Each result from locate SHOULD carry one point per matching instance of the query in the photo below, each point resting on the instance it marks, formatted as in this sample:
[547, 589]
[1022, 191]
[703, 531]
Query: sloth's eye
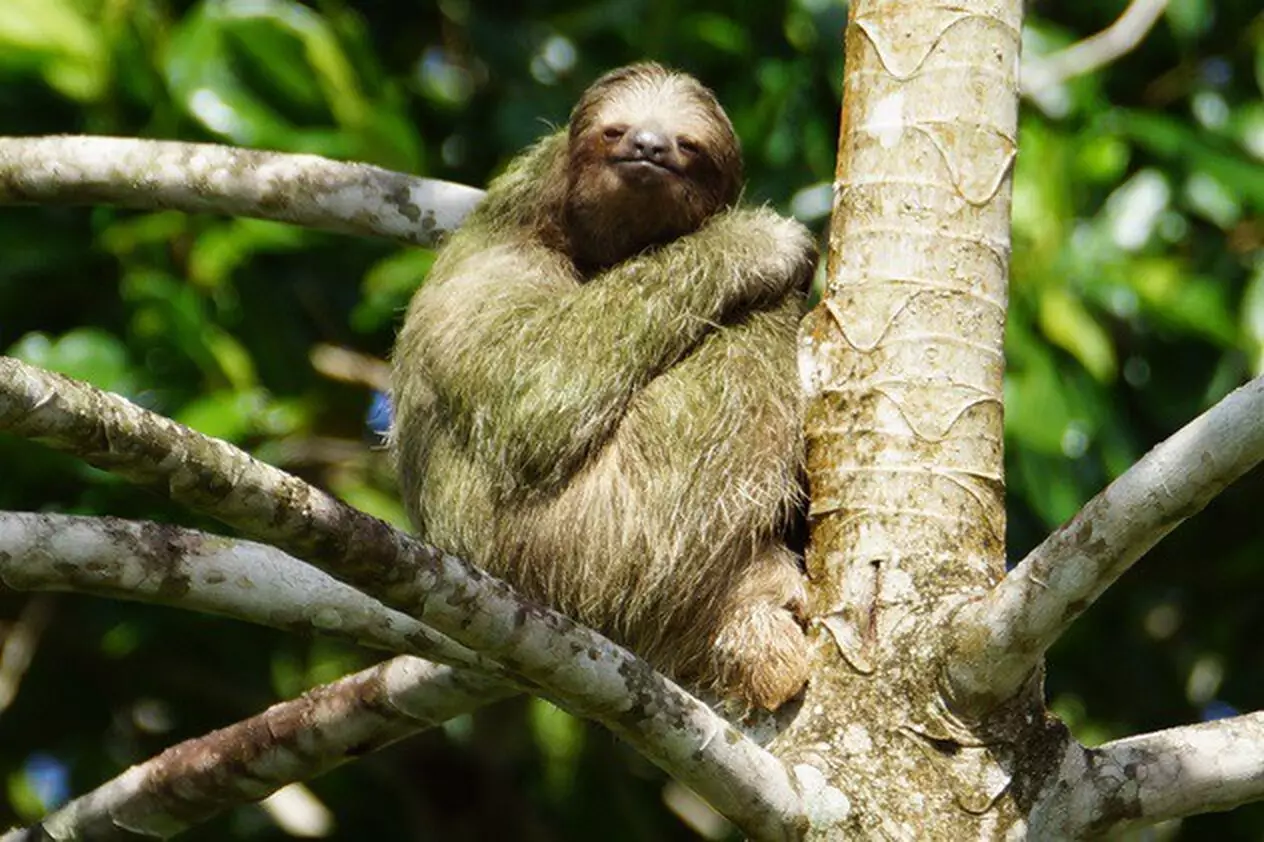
[613, 133]
[687, 145]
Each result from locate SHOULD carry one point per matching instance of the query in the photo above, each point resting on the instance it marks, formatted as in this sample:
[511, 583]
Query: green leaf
[57, 37]
[1048, 485]
[1102, 158]
[1212, 200]
[1066, 322]
[267, 73]
[1177, 142]
[223, 248]
[231, 357]
[125, 235]
[560, 739]
[1190, 18]
[388, 286]
[1037, 410]
[381, 504]
[85, 353]
[23, 798]
[718, 31]
[238, 415]
[1253, 317]
[1192, 304]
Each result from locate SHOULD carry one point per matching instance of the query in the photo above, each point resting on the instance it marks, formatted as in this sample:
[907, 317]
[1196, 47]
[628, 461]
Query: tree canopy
[1136, 301]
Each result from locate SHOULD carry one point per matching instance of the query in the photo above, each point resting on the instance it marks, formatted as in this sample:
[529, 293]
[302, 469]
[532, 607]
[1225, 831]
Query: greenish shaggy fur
[624, 447]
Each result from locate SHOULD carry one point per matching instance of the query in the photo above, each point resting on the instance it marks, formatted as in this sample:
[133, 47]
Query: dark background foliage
[1137, 301]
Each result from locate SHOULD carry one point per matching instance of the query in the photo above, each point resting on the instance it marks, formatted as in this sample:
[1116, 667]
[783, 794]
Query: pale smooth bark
[205, 178]
[290, 741]
[1153, 777]
[609, 684]
[184, 568]
[1002, 639]
[904, 363]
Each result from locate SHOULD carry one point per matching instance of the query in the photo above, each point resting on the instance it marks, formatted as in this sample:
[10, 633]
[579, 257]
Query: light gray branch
[168, 565]
[205, 178]
[575, 666]
[1002, 638]
[1153, 777]
[294, 740]
[1093, 52]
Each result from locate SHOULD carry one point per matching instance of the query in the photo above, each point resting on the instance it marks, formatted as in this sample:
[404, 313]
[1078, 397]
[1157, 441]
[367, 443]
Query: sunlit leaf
[232, 358]
[559, 737]
[1168, 294]
[1069, 325]
[718, 31]
[1101, 158]
[85, 353]
[273, 73]
[220, 250]
[59, 38]
[235, 415]
[385, 505]
[1253, 317]
[1049, 487]
[1212, 200]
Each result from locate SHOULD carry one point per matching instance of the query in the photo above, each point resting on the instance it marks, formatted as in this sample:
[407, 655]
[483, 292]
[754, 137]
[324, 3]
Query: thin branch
[1154, 777]
[205, 178]
[351, 366]
[575, 666]
[181, 567]
[1096, 51]
[168, 565]
[18, 644]
[1001, 639]
[291, 741]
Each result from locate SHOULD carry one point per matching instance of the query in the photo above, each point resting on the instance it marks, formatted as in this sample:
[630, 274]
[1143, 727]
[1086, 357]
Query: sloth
[596, 395]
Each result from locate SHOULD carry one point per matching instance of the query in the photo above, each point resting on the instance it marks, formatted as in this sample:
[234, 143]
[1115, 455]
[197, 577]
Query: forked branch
[575, 666]
[192, 781]
[1003, 637]
[1153, 777]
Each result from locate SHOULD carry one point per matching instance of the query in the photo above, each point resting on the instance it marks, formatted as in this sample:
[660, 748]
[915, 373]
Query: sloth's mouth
[644, 165]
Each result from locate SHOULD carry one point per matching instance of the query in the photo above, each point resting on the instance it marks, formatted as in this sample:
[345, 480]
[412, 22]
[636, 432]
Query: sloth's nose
[650, 145]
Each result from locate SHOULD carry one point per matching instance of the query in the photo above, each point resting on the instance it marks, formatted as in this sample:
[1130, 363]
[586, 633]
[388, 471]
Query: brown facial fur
[596, 394]
[618, 200]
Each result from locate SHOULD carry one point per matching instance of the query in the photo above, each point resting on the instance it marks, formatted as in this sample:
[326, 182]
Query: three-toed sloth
[596, 395]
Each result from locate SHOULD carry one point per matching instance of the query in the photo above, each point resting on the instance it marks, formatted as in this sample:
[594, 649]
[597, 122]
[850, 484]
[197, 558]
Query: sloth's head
[652, 156]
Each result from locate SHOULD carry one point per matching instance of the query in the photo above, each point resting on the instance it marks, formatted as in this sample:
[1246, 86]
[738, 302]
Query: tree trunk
[904, 363]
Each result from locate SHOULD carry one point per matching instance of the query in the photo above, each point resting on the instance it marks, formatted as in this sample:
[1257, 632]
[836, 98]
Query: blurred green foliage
[1137, 301]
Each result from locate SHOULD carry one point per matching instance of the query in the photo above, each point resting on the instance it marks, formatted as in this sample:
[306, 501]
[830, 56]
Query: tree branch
[168, 565]
[575, 666]
[294, 740]
[19, 642]
[205, 178]
[1152, 777]
[1001, 639]
[1093, 52]
[163, 564]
